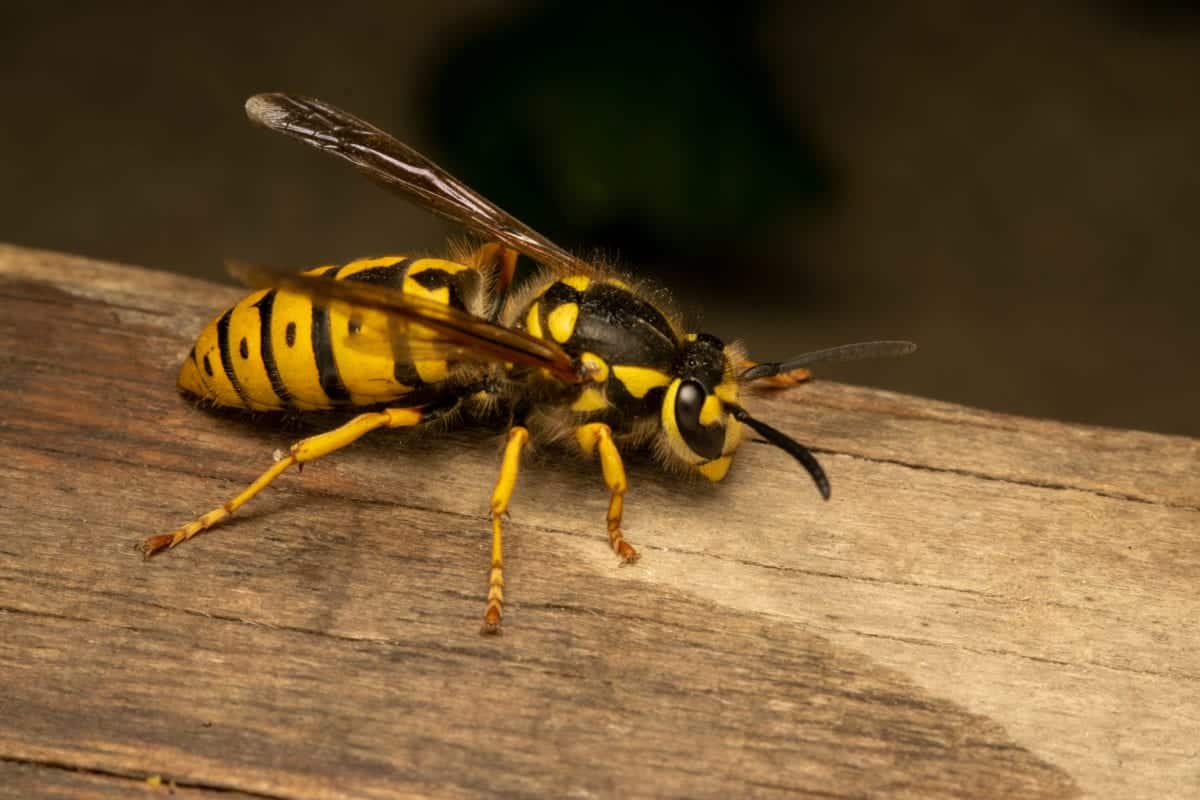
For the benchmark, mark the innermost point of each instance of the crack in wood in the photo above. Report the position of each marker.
(137, 779)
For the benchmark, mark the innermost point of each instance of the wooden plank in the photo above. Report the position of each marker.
(988, 606)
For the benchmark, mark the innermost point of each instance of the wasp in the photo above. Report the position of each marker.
(579, 355)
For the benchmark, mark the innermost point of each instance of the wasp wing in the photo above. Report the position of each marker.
(386, 320)
(398, 167)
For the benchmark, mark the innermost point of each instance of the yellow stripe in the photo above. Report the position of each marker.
(589, 400)
(368, 373)
(297, 365)
(578, 282)
(533, 321)
(561, 321)
(430, 370)
(639, 380)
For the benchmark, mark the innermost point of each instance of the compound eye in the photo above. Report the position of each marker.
(688, 402)
(705, 441)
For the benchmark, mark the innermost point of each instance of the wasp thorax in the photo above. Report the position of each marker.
(700, 429)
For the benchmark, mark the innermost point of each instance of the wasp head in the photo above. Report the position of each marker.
(697, 415)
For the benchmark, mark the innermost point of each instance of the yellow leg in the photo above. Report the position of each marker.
(785, 380)
(306, 450)
(598, 434)
(509, 467)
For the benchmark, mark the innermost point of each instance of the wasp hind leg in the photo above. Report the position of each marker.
(301, 452)
(598, 436)
(505, 483)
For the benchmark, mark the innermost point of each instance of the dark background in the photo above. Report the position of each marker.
(1015, 187)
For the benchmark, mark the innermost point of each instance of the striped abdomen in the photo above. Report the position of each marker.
(276, 350)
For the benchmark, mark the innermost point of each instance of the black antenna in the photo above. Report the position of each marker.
(787, 444)
(846, 352)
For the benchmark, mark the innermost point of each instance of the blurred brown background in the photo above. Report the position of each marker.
(1016, 188)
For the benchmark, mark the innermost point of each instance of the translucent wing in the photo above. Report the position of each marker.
(385, 320)
(398, 167)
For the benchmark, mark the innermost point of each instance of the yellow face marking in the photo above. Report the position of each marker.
(533, 322)
(595, 366)
(728, 392)
(561, 321)
(733, 436)
(578, 282)
(639, 380)
(710, 412)
(589, 400)
(671, 426)
(715, 470)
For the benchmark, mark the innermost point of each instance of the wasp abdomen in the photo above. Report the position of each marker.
(277, 350)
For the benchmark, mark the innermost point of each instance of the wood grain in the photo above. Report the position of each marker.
(989, 606)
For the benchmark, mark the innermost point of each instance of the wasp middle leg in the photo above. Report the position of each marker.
(518, 436)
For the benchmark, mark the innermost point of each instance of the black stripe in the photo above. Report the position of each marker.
(405, 373)
(266, 349)
(557, 294)
(322, 345)
(227, 356)
(392, 275)
(461, 284)
(433, 278)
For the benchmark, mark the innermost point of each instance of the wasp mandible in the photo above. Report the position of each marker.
(580, 355)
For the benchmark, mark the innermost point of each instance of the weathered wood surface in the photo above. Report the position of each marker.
(989, 606)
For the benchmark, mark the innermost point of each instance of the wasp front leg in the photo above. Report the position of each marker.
(598, 436)
(784, 380)
(505, 483)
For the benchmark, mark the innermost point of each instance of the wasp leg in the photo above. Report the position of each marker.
(598, 434)
(785, 380)
(301, 452)
(517, 437)
(503, 260)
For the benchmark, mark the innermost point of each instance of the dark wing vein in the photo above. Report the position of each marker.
(398, 167)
